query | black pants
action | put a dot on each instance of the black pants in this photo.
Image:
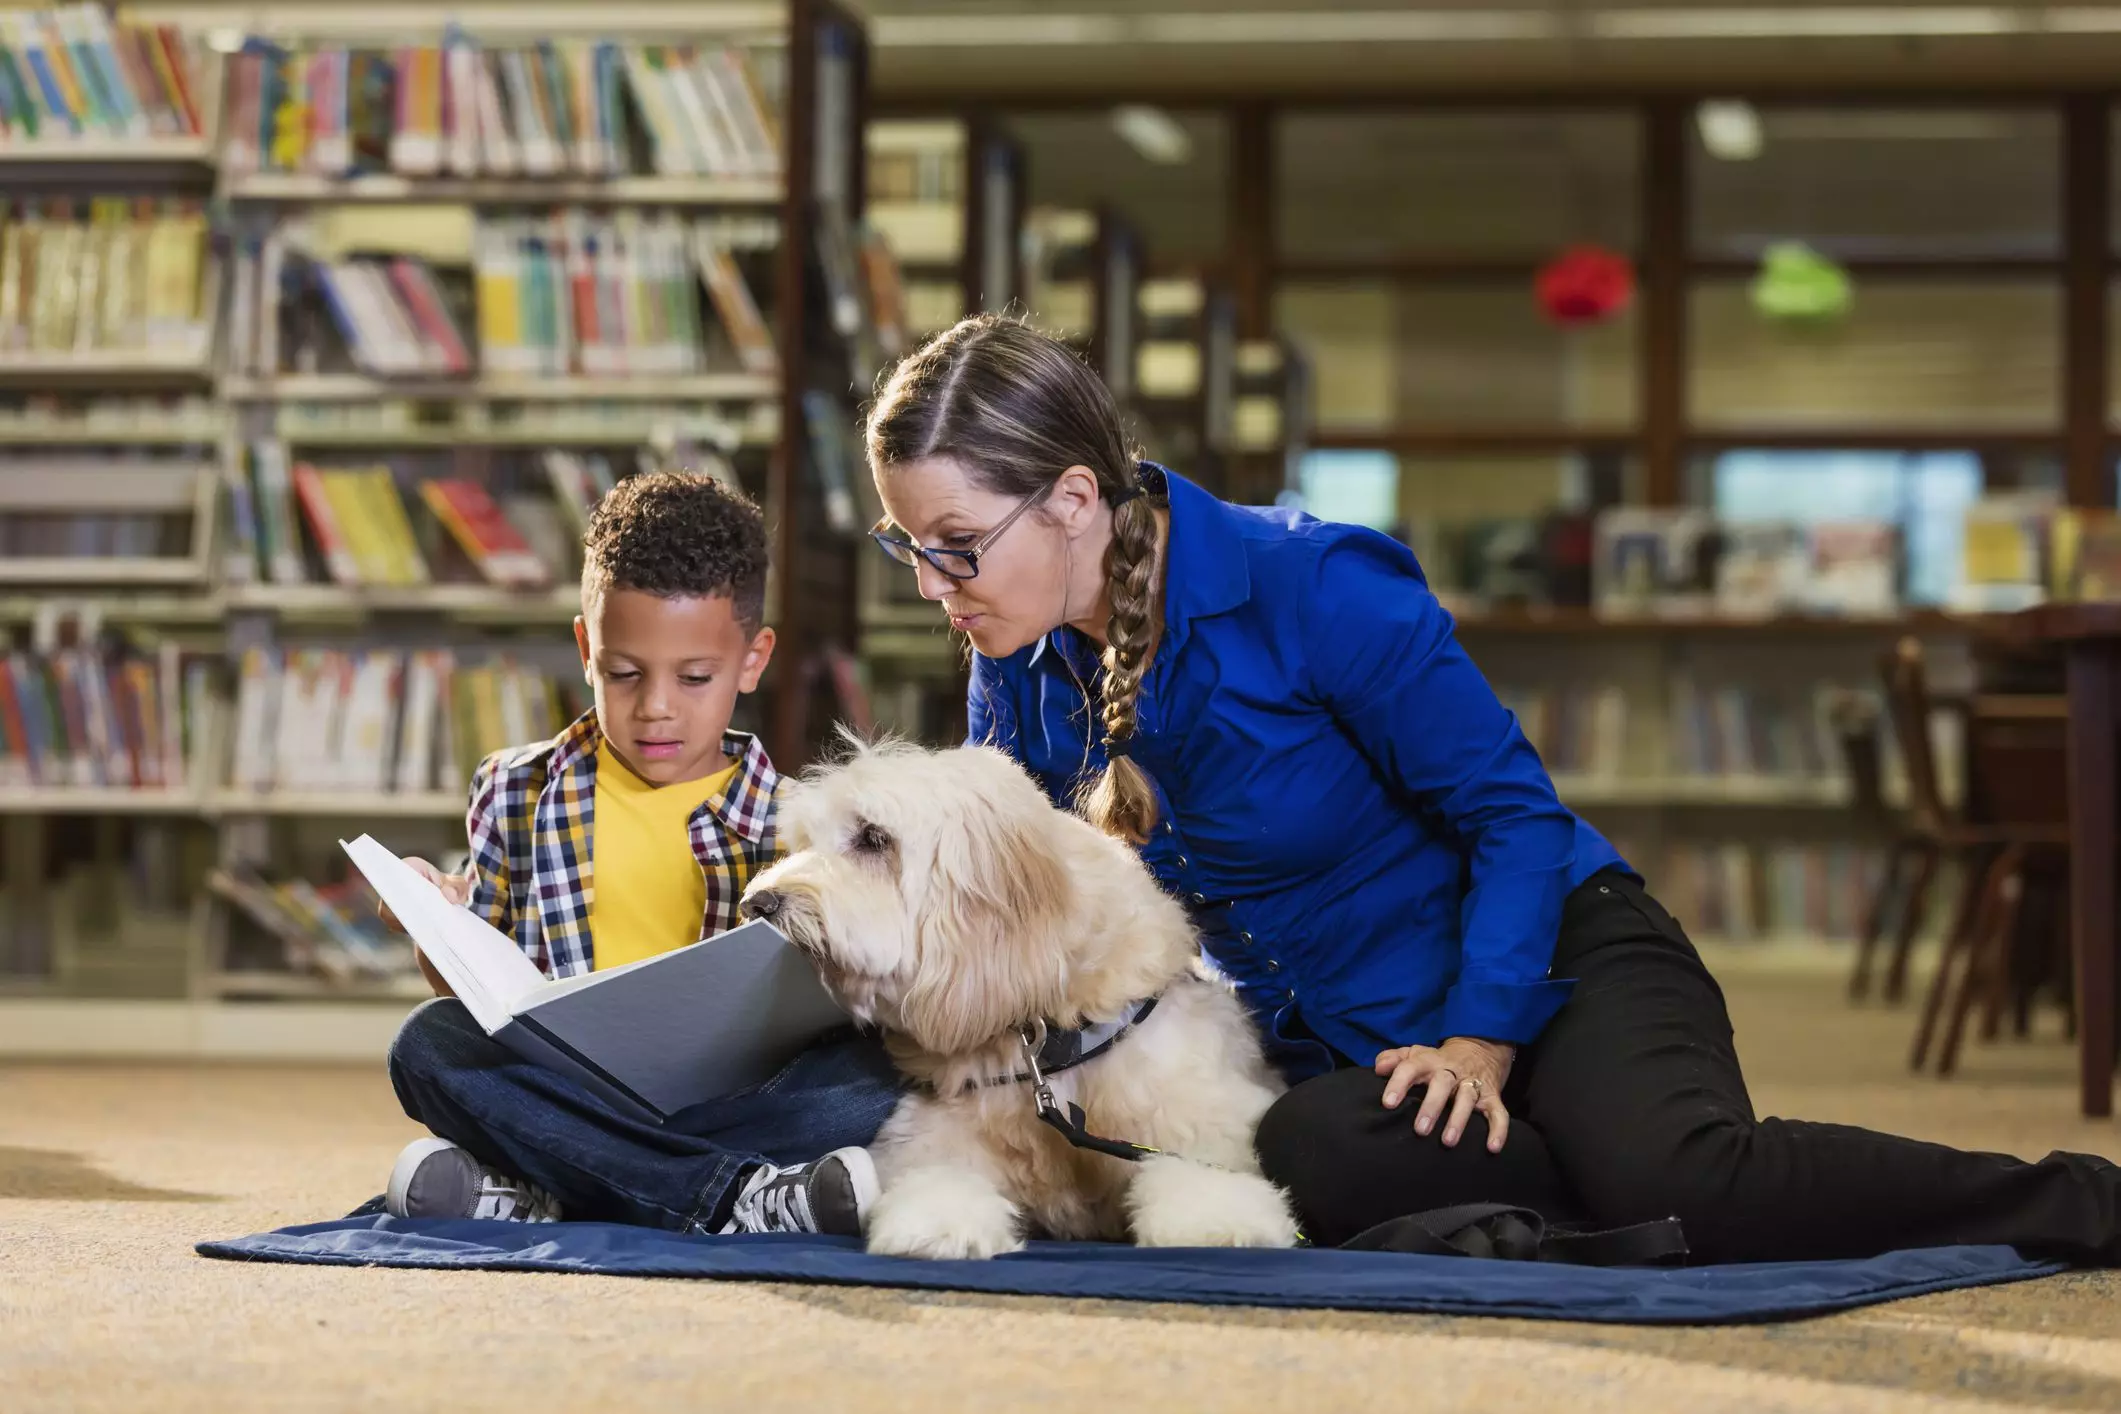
(1631, 1107)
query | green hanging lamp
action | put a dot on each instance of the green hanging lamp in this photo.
(1797, 284)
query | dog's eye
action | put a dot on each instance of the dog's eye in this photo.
(871, 839)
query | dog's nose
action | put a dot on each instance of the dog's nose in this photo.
(763, 903)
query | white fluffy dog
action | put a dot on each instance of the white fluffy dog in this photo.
(946, 901)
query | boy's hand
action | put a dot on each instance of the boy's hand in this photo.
(457, 889)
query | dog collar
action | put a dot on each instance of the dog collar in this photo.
(1066, 1049)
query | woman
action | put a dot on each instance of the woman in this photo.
(1435, 949)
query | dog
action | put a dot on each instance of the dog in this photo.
(948, 903)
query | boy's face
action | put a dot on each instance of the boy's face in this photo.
(666, 674)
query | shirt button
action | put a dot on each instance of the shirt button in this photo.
(1197, 900)
(1184, 862)
(1245, 938)
(1167, 828)
(1273, 966)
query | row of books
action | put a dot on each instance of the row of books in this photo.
(52, 416)
(1740, 730)
(1577, 728)
(331, 931)
(106, 529)
(611, 295)
(594, 294)
(73, 72)
(390, 525)
(57, 909)
(381, 721)
(1741, 892)
(118, 274)
(2023, 547)
(542, 110)
(100, 716)
(1683, 562)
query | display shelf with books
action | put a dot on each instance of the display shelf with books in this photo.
(505, 103)
(74, 519)
(445, 328)
(80, 87)
(106, 290)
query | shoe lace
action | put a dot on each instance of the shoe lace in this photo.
(501, 1196)
(773, 1201)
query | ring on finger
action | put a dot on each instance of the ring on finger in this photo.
(1479, 1086)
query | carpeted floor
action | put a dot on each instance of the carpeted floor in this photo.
(108, 1174)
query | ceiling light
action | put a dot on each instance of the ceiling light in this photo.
(1730, 129)
(1153, 133)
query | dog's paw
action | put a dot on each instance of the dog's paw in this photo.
(1173, 1202)
(943, 1213)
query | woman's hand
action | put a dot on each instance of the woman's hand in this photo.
(1476, 1072)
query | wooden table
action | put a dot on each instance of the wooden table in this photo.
(2088, 638)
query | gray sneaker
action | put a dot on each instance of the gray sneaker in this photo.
(434, 1178)
(829, 1195)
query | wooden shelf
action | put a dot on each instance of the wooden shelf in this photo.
(1751, 791)
(390, 189)
(100, 569)
(1575, 621)
(118, 606)
(1471, 440)
(116, 152)
(101, 371)
(117, 435)
(354, 387)
(303, 987)
(472, 601)
(422, 805)
(98, 800)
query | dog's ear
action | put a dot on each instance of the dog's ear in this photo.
(994, 937)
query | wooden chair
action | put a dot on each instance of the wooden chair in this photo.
(1911, 855)
(1921, 834)
(2011, 835)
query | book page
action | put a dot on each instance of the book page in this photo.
(486, 970)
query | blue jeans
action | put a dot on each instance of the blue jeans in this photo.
(606, 1166)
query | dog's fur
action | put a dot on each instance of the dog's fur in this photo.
(946, 901)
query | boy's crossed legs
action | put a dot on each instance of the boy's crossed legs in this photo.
(746, 1157)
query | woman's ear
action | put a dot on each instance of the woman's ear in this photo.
(1074, 502)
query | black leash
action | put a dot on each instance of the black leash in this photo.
(1072, 1126)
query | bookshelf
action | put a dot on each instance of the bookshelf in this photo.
(949, 199)
(718, 160)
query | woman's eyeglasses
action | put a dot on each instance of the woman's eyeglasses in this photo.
(958, 564)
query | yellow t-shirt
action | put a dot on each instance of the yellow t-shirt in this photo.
(648, 895)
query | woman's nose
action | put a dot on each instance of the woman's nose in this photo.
(935, 585)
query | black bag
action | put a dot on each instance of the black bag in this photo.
(1499, 1231)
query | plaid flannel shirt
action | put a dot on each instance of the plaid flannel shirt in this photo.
(532, 821)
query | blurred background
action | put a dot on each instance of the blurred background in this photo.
(1741, 375)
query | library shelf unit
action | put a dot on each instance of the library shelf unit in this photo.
(808, 62)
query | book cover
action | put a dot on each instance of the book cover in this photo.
(476, 523)
(655, 1037)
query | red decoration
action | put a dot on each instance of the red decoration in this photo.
(1585, 285)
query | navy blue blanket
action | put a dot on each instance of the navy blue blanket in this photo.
(1361, 1281)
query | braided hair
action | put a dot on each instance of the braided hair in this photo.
(1017, 408)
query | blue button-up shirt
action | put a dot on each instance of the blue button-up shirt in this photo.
(1371, 848)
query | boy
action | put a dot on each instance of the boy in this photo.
(631, 833)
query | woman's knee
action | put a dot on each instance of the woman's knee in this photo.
(1625, 1182)
(1308, 1130)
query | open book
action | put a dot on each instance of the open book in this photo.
(653, 1037)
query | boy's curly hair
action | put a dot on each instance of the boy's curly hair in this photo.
(678, 534)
